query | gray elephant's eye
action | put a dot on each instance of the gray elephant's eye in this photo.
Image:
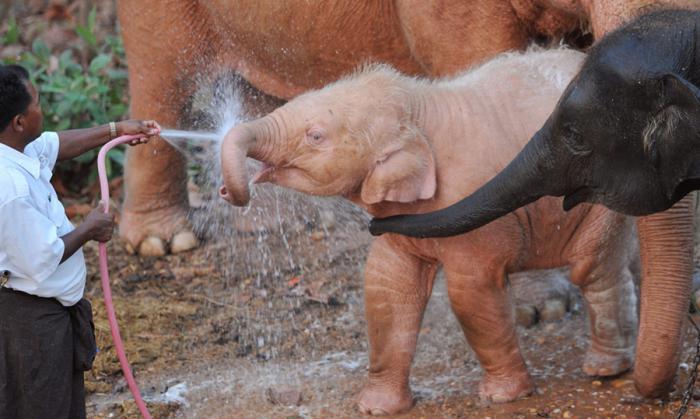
(575, 143)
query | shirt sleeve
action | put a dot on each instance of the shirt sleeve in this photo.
(45, 149)
(29, 241)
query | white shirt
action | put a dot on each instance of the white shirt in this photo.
(32, 222)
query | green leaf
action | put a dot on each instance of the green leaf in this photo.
(12, 34)
(117, 155)
(41, 50)
(87, 157)
(99, 62)
(65, 59)
(86, 35)
(91, 20)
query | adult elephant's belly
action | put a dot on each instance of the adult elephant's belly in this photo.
(285, 48)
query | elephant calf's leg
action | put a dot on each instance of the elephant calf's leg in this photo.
(397, 289)
(484, 310)
(612, 311)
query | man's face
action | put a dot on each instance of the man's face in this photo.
(33, 117)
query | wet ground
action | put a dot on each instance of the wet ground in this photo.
(252, 326)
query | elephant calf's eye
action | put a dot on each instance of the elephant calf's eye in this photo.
(315, 137)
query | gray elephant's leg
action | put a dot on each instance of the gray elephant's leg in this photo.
(484, 310)
(397, 289)
(611, 302)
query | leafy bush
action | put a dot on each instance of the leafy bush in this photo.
(75, 95)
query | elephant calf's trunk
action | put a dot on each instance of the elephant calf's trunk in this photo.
(234, 150)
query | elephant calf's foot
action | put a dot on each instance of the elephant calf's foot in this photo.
(149, 234)
(379, 400)
(606, 363)
(504, 389)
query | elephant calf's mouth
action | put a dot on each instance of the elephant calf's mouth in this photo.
(264, 174)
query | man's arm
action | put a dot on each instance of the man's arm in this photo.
(75, 142)
(97, 226)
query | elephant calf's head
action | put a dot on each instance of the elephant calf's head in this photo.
(352, 138)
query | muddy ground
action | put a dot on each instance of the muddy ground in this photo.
(255, 325)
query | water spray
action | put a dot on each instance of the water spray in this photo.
(104, 273)
(176, 134)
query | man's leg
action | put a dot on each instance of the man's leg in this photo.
(37, 377)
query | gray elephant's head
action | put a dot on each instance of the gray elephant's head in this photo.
(631, 144)
(625, 134)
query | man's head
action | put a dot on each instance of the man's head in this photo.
(20, 111)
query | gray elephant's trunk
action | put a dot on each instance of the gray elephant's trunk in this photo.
(523, 181)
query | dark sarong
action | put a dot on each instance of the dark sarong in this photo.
(38, 378)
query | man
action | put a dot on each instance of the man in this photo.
(46, 336)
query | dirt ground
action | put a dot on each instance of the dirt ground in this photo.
(271, 325)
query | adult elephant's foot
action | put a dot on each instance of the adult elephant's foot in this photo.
(504, 389)
(384, 399)
(541, 295)
(607, 362)
(157, 232)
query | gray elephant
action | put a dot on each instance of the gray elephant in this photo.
(626, 134)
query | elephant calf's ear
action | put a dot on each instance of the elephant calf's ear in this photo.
(404, 173)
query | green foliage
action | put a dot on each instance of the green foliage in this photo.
(78, 88)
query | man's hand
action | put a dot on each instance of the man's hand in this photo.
(99, 225)
(135, 126)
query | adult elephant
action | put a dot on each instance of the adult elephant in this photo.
(283, 48)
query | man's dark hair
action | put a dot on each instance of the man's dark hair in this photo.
(14, 94)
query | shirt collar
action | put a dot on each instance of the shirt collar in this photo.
(31, 165)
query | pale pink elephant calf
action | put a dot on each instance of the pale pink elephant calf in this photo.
(395, 145)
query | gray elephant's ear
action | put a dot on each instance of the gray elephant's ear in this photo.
(675, 90)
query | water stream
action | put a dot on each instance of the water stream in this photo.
(268, 241)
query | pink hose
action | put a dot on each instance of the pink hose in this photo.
(104, 273)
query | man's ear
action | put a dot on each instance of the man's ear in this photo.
(404, 172)
(18, 123)
(675, 90)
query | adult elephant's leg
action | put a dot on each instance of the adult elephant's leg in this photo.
(666, 250)
(165, 45)
(397, 289)
(484, 310)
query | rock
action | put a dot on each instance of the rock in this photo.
(620, 382)
(525, 315)
(554, 309)
(285, 397)
(318, 235)
(547, 291)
